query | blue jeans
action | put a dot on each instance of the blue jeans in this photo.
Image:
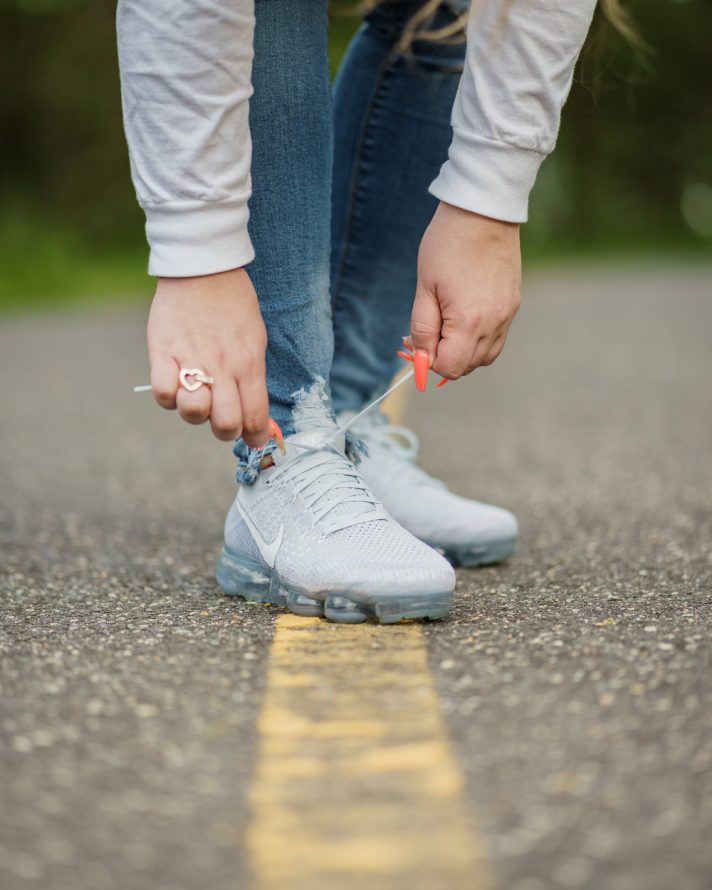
(340, 197)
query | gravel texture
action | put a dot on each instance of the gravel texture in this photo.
(576, 680)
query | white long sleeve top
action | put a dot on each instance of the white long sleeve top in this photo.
(185, 82)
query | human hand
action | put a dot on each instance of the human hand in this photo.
(468, 292)
(211, 322)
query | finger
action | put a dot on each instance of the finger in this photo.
(255, 407)
(426, 322)
(225, 413)
(479, 356)
(164, 380)
(455, 353)
(194, 407)
(495, 349)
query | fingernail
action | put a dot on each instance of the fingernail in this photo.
(421, 363)
(442, 382)
(407, 356)
(277, 435)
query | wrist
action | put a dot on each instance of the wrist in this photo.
(476, 221)
(208, 277)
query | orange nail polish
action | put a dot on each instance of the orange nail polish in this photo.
(277, 435)
(405, 355)
(421, 363)
(442, 382)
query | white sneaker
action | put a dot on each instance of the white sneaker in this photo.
(468, 532)
(310, 535)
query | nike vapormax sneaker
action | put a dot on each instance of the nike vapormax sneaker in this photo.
(308, 534)
(468, 532)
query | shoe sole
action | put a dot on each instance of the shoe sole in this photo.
(482, 555)
(239, 575)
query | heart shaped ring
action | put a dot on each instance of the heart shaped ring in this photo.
(193, 378)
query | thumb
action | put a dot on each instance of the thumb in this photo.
(426, 322)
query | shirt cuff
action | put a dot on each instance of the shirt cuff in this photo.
(197, 238)
(487, 177)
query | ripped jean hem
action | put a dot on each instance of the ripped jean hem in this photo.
(249, 460)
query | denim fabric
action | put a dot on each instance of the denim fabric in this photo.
(292, 150)
(392, 132)
(359, 228)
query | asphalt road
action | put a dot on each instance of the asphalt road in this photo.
(576, 681)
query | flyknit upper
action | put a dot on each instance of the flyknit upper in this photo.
(336, 536)
(422, 503)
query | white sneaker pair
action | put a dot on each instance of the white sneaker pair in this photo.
(311, 535)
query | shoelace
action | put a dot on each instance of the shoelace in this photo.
(399, 445)
(312, 472)
(330, 486)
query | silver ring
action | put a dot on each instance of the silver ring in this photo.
(198, 378)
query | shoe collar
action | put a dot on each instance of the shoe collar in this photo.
(382, 437)
(319, 439)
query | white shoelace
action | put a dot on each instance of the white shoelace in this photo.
(323, 476)
(399, 446)
(330, 487)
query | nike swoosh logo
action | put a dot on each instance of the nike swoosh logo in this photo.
(268, 550)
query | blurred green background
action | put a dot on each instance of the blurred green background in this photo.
(632, 173)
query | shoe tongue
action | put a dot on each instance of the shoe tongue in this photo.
(315, 438)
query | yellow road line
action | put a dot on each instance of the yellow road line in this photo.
(356, 785)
